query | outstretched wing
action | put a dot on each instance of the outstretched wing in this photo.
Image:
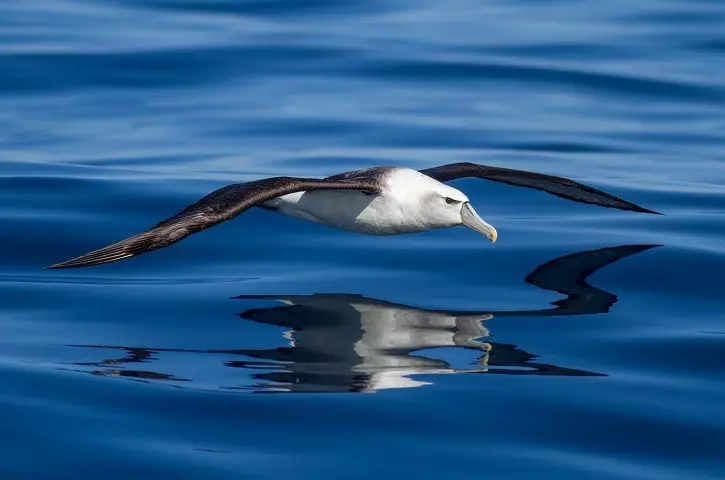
(559, 186)
(217, 207)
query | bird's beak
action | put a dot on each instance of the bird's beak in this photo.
(471, 220)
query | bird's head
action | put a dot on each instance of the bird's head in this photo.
(453, 207)
(439, 205)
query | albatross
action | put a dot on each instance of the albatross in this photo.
(374, 201)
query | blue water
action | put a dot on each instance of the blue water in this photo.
(269, 347)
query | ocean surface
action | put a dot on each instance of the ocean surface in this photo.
(586, 343)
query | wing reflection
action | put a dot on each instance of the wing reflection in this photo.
(351, 343)
(132, 355)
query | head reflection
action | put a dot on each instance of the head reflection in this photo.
(351, 343)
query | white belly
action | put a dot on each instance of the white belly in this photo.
(348, 210)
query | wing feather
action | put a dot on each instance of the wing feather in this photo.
(559, 186)
(217, 207)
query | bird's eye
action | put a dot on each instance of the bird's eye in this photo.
(450, 201)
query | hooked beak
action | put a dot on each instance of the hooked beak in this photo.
(471, 220)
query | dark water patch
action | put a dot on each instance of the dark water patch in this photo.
(155, 69)
(553, 50)
(285, 9)
(680, 17)
(437, 71)
(714, 45)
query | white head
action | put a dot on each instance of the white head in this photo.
(433, 204)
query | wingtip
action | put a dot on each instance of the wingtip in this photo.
(651, 212)
(61, 266)
(57, 266)
(253, 297)
(643, 247)
(636, 208)
(89, 260)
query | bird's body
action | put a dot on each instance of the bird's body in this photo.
(375, 201)
(347, 210)
(400, 207)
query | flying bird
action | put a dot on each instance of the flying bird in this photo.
(375, 201)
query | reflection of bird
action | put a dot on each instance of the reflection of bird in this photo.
(351, 343)
(376, 201)
(133, 355)
(364, 338)
(567, 275)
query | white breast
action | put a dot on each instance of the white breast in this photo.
(348, 210)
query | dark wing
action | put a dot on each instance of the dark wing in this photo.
(217, 207)
(559, 186)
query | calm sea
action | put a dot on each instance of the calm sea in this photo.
(586, 343)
